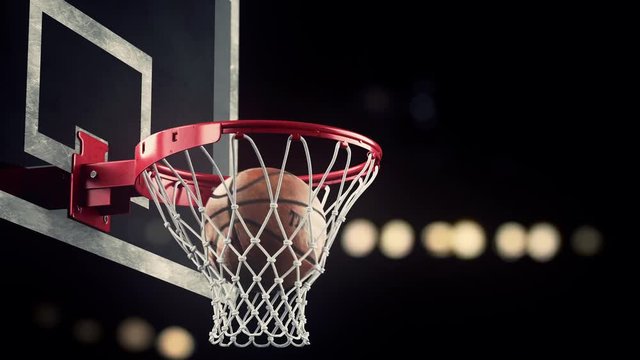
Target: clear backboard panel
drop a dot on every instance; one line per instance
(119, 73)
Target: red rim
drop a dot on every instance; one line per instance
(171, 141)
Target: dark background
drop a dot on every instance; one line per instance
(515, 129)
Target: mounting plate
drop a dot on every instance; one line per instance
(92, 150)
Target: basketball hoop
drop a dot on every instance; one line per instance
(257, 303)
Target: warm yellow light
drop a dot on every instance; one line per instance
(175, 343)
(543, 242)
(359, 237)
(396, 239)
(135, 334)
(511, 241)
(468, 239)
(87, 331)
(586, 241)
(437, 238)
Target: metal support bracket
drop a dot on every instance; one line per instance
(99, 189)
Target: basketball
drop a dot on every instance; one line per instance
(254, 205)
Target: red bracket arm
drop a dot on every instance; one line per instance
(99, 189)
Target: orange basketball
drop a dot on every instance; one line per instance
(281, 248)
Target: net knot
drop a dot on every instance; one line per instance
(227, 241)
(298, 284)
(287, 242)
(176, 216)
(235, 278)
(257, 279)
(278, 280)
(201, 209)
(235, 313)
(234, 207)
(265, 296)
(285, 298)
(273, 205)
(254, 312)
(264, 327)
(255, 241)
(309, 209)
(297, 263)
(166, 225)
(271, 260)
(342, 219)
(334, 213)
(242, 258)
(244, 296)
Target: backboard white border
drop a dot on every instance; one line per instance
(57, 225)
(40, 145)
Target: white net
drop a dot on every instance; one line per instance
(259, 258)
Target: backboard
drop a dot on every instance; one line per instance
(119, 73)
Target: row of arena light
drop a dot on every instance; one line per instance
(134, 334)
(466, 240)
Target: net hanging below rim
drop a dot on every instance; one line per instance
(263, 302)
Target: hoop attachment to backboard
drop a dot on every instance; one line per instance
(100, 189)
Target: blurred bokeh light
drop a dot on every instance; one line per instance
(135, 334)
(437, 238)
(175, 342)
(468, 239)
(586, 241)
(543, 242)
(46, 315)
(511, 241)
(396, 239)
(87, 331)
(359, 237)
